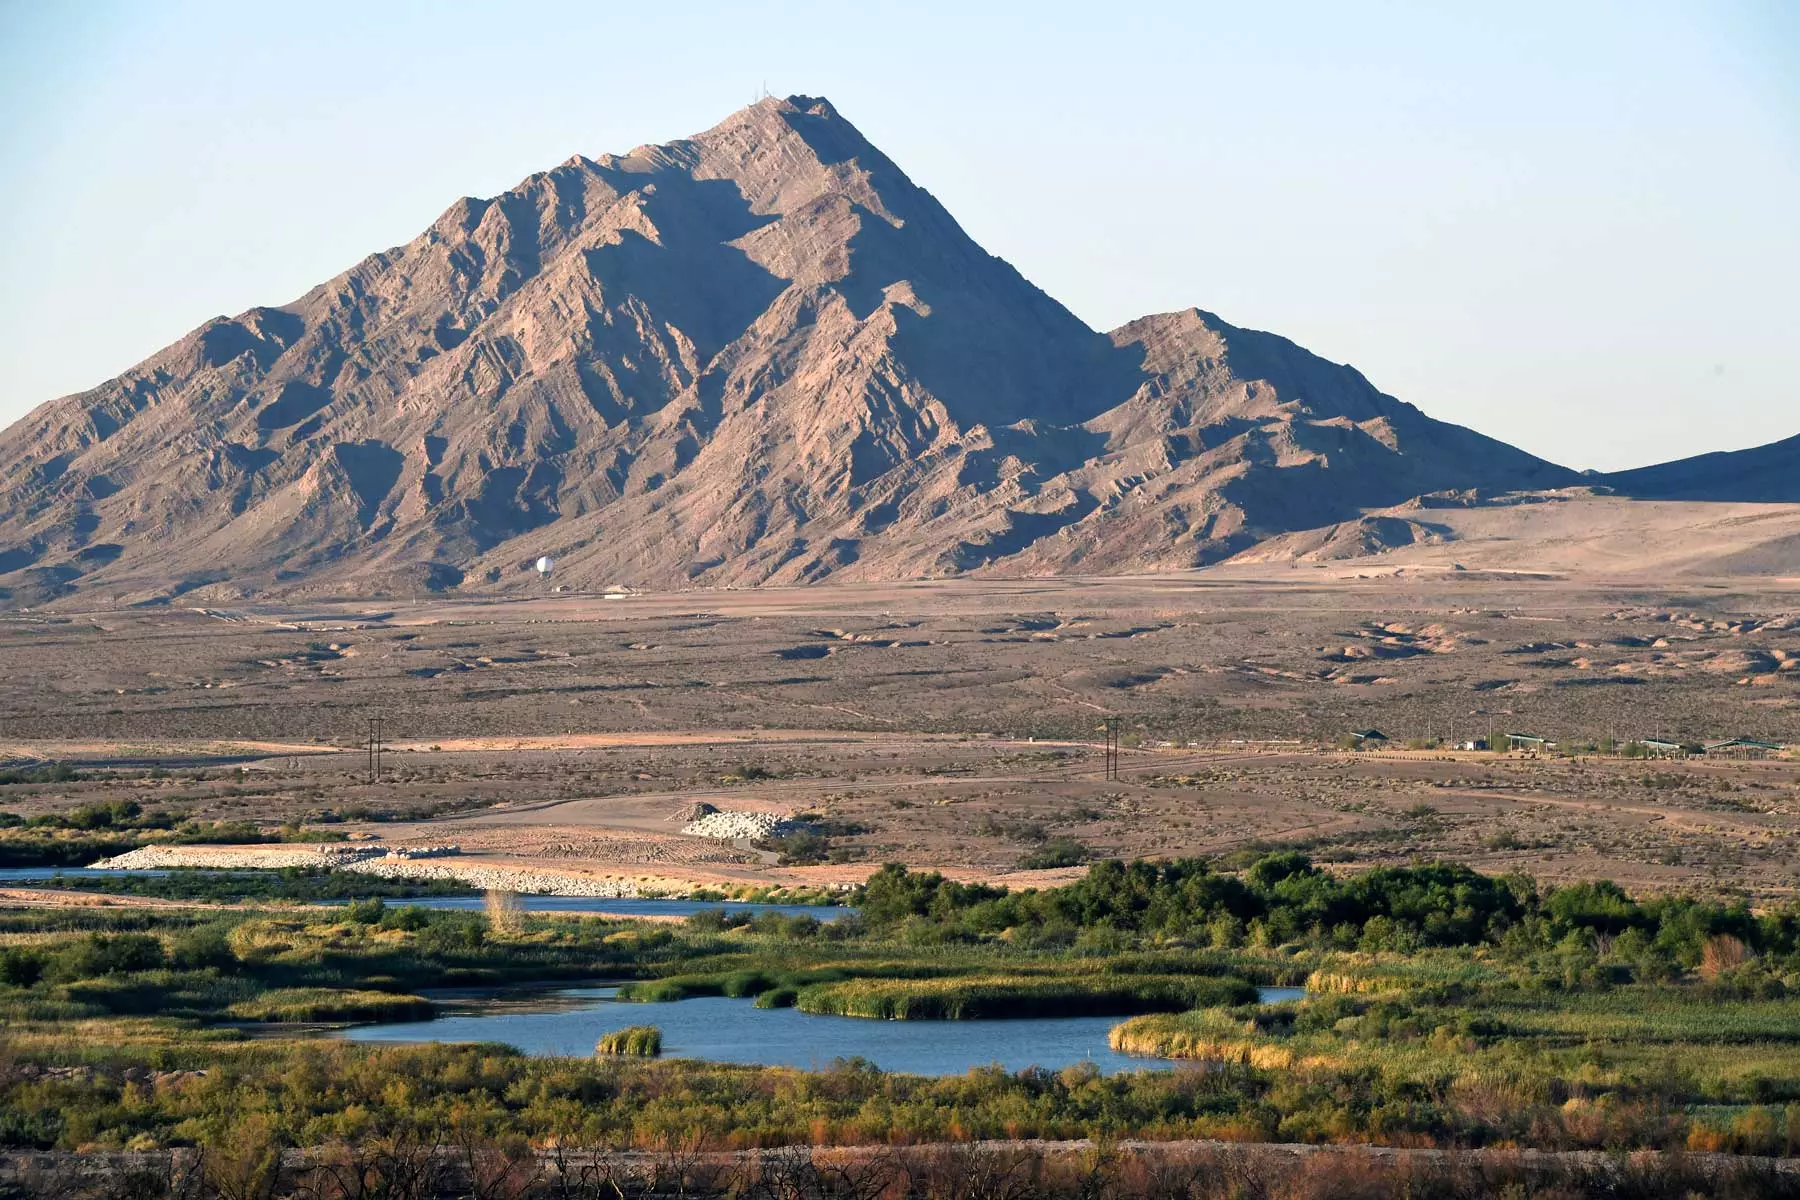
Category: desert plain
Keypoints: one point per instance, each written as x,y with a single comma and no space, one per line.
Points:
954,725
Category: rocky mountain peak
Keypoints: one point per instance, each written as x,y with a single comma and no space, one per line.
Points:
759,354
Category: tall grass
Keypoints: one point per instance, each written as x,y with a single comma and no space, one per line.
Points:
324,1004
989,996
1213,1035
505,911
633,1041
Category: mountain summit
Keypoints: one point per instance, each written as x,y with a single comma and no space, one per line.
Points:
761,354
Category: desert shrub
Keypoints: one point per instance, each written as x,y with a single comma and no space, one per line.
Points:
224,833
48,773
802,847
1721,954
1056,852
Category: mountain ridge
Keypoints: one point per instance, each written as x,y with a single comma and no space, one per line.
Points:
1767,474
761,354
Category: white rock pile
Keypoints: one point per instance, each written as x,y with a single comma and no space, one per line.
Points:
445,851
730,826
415,862
239,858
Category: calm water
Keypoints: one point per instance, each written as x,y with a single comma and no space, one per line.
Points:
628,907
33,874
723,1030
546,904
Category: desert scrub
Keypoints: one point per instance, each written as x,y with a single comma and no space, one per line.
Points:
989,996
325,1004
633,1041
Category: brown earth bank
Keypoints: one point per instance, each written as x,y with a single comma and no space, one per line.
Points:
1013,1170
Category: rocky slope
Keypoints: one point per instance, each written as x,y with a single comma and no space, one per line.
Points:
758,355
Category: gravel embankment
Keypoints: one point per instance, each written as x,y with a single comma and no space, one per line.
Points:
504,879
238,858
432,862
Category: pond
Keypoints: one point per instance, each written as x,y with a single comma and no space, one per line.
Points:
569,1021
15,875
628,907
615,907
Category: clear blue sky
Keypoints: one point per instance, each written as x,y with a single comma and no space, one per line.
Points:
1574,225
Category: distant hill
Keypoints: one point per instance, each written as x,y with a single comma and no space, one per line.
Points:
1765,475
758,355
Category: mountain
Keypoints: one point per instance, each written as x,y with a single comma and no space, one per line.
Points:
758,355
1764,475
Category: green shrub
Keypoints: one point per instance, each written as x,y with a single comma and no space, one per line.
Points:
20,966
102,816
663,991
747,983
108,954
366,912
200,948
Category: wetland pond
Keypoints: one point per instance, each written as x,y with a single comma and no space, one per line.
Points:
631,907
611,906
568,1021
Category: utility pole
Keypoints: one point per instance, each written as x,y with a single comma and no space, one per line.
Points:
1111,728
375,749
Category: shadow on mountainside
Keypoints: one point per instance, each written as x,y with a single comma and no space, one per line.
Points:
1762,475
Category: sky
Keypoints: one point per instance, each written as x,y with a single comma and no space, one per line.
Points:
1572,225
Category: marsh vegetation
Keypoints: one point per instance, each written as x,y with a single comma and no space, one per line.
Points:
1444,1008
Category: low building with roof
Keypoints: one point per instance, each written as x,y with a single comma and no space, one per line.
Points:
1742,748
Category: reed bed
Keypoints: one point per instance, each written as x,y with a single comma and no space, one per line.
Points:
329,1004
1220,1035
990,996
633,1041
